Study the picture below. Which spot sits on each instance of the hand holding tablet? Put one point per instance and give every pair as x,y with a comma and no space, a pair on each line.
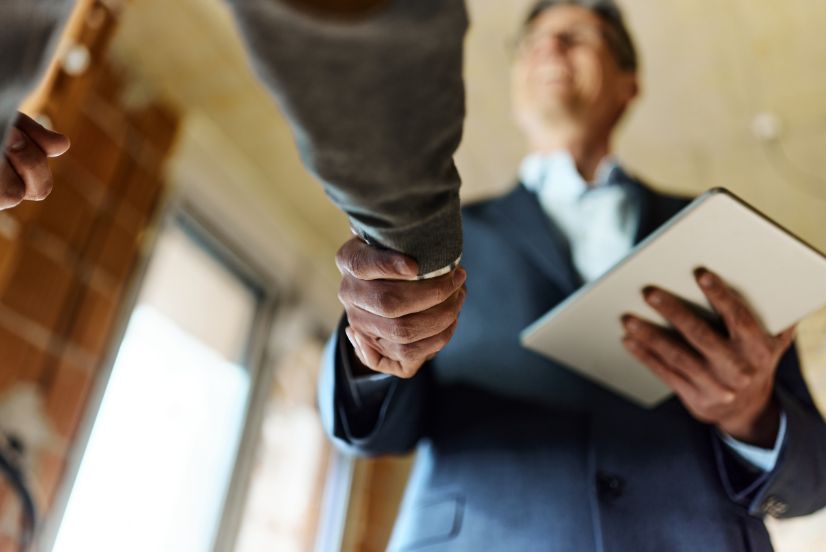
723,375
764,281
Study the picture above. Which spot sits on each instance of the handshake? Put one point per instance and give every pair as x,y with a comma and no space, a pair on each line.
396,323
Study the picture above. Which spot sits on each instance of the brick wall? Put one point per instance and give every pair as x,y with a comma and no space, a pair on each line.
66,263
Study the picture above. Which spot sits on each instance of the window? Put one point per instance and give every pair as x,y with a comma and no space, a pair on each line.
160,456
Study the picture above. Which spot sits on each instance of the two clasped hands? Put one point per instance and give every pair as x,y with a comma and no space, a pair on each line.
723,377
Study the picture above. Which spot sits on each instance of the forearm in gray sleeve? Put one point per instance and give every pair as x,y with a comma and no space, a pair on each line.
30,30
377,106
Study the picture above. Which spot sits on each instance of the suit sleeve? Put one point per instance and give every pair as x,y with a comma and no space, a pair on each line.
376,106
797,484
367,418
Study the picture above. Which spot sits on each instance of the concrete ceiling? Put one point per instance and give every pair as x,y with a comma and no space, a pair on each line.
188,52
709,71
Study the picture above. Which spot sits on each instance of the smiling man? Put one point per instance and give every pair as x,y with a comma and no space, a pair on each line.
516,452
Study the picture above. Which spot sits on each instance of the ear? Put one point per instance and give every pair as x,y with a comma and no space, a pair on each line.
632,86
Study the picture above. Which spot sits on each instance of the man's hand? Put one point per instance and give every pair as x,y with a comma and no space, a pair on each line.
396,322
24,168
725,379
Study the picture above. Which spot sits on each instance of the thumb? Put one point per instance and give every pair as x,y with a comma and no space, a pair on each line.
785,338
52,143
369,262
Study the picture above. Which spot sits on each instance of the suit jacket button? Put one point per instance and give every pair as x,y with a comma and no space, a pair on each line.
774,506
609,486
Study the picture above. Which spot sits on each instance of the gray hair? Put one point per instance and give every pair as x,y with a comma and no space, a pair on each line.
618,38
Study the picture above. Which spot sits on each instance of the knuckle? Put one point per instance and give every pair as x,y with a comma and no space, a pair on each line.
677,358
763,355
703,336
356,263
385,264
740,366
13,191
401,332
388,302
440,289
403,352
437,295
413,353
703,405
457,299
439,322
407,371
345,292
343,256
696,329
443,339
740,381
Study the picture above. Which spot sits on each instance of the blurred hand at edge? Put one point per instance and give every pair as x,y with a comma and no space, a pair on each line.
24,168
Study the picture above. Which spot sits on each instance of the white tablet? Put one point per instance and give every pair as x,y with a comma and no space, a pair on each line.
782,278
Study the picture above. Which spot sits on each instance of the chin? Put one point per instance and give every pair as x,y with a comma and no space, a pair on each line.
556,108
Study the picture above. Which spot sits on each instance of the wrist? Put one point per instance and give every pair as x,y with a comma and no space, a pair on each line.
758,429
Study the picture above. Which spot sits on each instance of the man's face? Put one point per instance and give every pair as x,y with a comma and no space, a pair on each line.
566,73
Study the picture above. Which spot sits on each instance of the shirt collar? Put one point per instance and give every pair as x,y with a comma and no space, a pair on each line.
559,170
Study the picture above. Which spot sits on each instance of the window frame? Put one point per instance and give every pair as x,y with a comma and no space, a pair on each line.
205,232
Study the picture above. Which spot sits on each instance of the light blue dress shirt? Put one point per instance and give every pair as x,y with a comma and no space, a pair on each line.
600,221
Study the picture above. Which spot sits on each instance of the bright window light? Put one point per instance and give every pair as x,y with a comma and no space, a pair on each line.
163,446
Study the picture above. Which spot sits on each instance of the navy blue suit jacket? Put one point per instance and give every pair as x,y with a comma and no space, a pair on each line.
517,453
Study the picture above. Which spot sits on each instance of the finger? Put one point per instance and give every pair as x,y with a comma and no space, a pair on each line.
393,298
421,350
784,339
675,381
348,331
31,165
377,362
699,334
364,351
412,327
736,315
12,188
50,143
368,262
678,358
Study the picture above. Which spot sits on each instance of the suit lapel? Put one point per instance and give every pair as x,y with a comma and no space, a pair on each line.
529,228
655,208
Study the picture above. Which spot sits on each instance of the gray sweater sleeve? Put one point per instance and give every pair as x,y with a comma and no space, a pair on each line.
30,30
377,106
